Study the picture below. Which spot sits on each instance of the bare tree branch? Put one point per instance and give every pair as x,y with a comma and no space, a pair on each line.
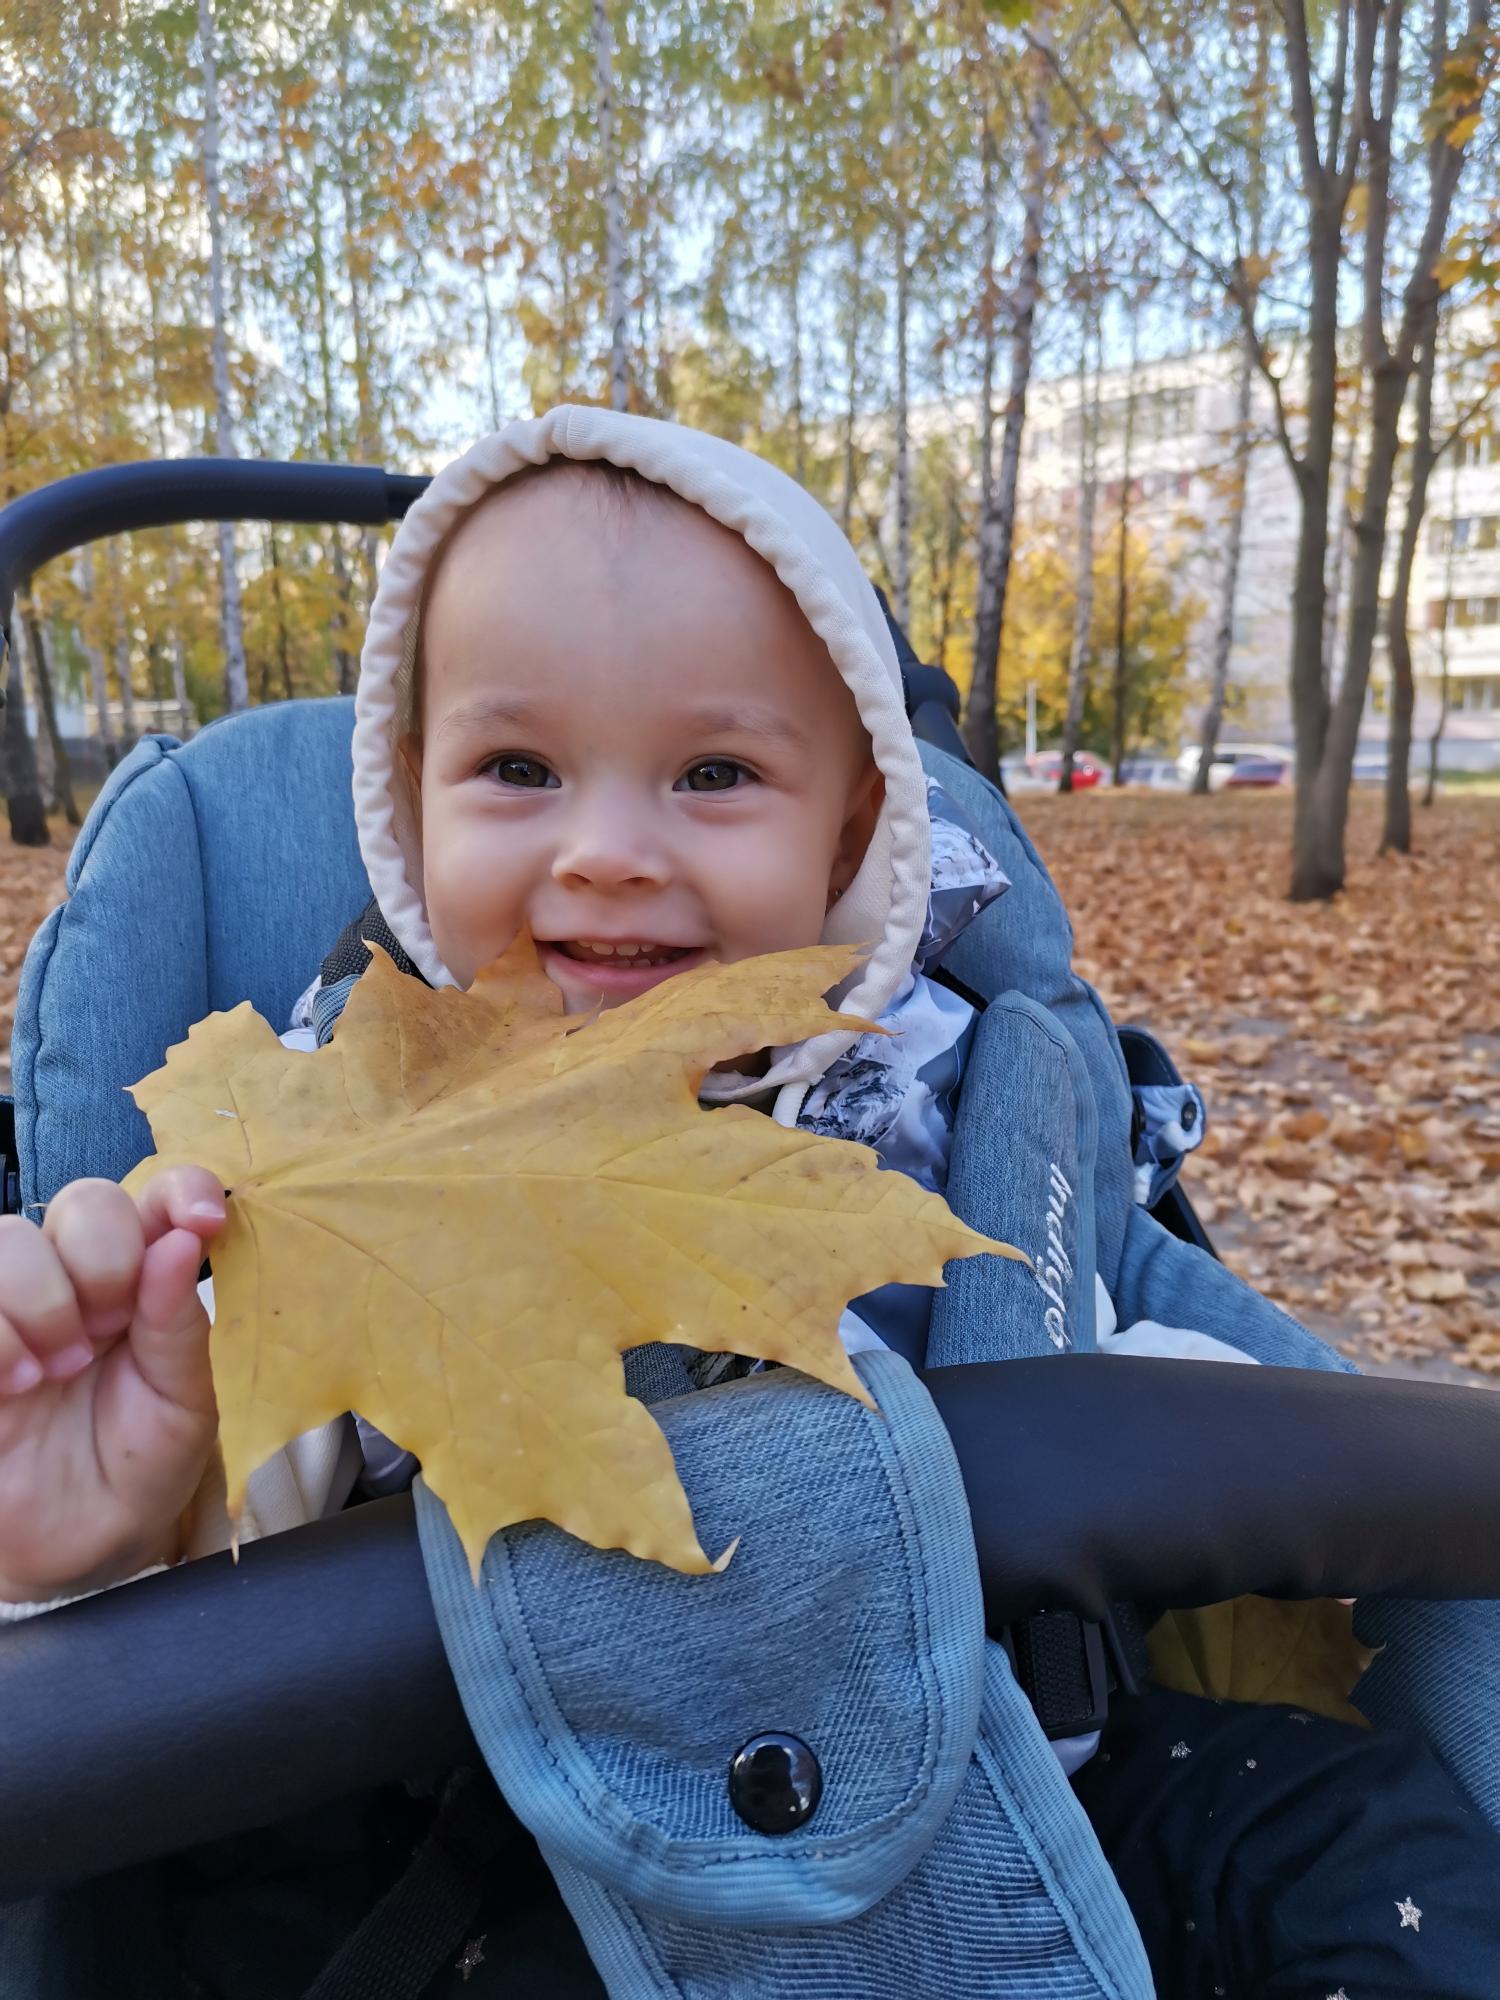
1304,111
1234,280
1174,111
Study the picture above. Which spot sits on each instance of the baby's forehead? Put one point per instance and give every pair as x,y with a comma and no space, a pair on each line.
570,584
573,552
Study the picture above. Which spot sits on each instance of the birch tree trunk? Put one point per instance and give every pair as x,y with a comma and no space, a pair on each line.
1395,835
851,382
1229,583
175,645
364,393
1445,685
106,372
799,415
236,684
989,311
981,722
83,573
129,733
614,226
29,618
83,565
1083,573
1340,537
903,317
343,657
18,766
18,774
1122,585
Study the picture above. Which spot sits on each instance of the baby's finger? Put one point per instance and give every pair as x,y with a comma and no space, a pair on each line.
182,1198
39,1302
19,1368
95,1229
169,1336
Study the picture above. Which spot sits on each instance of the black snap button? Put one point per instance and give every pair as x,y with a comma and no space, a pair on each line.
775,1783
1189,1116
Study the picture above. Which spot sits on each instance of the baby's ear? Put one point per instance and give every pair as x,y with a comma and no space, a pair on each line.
866,797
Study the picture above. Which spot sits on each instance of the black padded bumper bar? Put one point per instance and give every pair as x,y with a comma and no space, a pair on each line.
119,499
218,1697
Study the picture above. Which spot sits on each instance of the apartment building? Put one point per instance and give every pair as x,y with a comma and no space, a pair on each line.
1173,420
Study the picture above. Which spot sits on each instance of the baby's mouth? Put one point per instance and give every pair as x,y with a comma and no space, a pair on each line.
631,954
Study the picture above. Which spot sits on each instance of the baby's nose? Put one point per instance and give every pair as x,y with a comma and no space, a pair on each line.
611,842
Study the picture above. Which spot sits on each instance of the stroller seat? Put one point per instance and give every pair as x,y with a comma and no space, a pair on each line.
221,870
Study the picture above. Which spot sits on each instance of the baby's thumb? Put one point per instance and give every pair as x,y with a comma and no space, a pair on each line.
169,1334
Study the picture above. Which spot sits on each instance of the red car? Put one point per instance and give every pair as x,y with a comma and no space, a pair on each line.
1046,768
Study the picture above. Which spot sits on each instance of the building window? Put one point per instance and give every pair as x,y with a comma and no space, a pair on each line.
1466,611
1477,696
1479,450
1466,534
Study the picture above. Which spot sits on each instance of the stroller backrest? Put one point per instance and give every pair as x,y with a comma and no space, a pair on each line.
207,873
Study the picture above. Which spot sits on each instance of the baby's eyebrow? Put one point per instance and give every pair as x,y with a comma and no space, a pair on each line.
492,711
712,718
747,719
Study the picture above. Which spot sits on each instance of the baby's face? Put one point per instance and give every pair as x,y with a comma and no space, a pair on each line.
633,744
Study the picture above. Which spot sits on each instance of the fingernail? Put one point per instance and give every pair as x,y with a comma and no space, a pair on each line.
21,1375
206,1211
70,1361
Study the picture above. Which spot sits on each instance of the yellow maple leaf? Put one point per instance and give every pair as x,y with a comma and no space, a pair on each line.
1264,1649
457,1215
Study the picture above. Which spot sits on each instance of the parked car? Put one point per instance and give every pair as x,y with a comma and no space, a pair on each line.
1238,765
1160,774
1046,768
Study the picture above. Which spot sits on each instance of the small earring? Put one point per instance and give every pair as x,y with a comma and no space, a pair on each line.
834,897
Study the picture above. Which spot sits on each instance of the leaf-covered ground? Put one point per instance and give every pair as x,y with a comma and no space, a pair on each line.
31,881
1350,1055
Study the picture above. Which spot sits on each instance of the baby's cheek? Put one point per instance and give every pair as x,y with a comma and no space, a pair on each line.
473,909
776,900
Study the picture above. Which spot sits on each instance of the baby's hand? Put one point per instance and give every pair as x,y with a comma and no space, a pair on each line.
107,1412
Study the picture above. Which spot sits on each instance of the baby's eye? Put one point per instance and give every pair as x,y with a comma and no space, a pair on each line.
528,774
714,774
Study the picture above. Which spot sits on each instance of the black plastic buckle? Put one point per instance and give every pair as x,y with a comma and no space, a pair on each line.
10,1160
1068,1667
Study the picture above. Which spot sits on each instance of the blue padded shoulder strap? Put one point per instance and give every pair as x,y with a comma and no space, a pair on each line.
207,873
1024,943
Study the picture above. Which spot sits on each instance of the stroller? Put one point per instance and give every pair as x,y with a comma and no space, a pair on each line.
191,1744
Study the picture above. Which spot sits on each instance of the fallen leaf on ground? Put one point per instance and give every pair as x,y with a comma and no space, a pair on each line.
458,1214
1263,1649
1385,999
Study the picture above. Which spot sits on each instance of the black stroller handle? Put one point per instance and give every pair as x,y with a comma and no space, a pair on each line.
155,493
216,1698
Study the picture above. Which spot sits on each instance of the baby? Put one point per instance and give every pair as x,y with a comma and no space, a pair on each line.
591,706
